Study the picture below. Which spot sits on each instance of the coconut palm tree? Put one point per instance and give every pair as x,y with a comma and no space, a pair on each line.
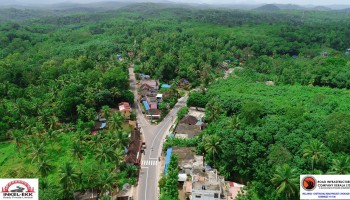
118,157
115,93
108,182
341,165
119,139
44,168
212,145
81,109
286,179
69,178
17,136
53,122
131,170
38,151
39,128
104,153
315,150
234,122
78,152
106,111
116,121
95,141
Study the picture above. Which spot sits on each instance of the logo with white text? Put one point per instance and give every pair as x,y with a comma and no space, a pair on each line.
19,189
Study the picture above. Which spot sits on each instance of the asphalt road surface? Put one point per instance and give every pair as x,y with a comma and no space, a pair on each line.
154,136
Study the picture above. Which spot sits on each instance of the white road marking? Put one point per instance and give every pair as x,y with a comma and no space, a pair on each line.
175,110
150,162
160,130
146,182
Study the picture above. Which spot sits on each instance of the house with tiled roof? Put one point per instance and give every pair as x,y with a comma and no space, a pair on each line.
189,127
190,120
153,84
133,155
125,109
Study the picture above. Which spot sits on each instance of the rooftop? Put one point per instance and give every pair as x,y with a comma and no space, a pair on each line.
190,120
196,113
187,131
183,80
210,181
150,83
134,150
124,106
146,105
234,189
187,157
185,154
145,76
153,105
166,86
99,125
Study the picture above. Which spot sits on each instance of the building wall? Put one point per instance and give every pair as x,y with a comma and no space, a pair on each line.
205,195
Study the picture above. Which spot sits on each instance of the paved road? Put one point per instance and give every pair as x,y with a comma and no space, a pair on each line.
154,136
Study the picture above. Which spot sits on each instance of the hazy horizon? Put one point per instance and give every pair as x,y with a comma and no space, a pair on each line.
298,2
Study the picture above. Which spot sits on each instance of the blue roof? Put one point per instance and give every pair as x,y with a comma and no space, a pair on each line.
146,105
347,53
103,125
185,80
165,86
171,135
167,159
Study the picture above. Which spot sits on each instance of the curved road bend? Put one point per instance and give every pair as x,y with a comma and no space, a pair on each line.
154,136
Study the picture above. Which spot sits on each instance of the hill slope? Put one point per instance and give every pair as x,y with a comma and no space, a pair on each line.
268,7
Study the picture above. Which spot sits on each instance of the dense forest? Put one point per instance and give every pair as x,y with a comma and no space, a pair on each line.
59,68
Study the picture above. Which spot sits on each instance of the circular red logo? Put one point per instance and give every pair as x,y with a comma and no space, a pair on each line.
309,183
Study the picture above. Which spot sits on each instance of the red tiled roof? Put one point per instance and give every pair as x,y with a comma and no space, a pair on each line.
150,83
134,149
94,132
124,106
153,105
155,112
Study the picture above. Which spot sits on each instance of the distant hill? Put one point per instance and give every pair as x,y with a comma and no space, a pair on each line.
268,7
107,5
338,7
321,8
344,10
235,6
289,7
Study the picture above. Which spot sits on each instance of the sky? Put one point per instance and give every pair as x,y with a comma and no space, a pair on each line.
300,2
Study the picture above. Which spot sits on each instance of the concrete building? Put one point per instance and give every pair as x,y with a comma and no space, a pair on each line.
207,185
187,159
